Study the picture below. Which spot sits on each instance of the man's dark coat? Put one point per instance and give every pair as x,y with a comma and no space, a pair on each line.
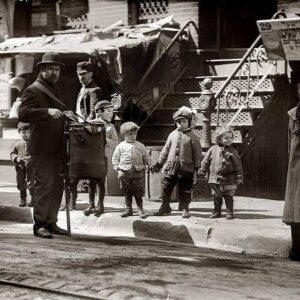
91,95
46,134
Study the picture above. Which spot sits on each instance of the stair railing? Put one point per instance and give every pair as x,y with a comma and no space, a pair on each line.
247,56
158,59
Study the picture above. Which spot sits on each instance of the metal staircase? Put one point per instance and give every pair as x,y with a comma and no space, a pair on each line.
187,91
243,88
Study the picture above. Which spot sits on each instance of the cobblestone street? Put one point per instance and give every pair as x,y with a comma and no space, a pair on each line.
139,269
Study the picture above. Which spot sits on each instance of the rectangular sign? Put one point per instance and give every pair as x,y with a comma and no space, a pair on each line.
281,38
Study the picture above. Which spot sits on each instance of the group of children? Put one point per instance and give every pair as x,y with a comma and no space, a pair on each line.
180,160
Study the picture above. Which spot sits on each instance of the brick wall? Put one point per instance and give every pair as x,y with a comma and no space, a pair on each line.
184,11
103,13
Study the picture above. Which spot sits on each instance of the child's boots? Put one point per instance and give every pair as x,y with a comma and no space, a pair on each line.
229,207
185,199
164,208
141,212
217,208
99,210
31,203
90,208
72,204
185,213
22,202
139,203
128,203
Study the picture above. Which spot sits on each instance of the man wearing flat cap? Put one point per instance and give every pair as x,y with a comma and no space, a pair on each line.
90,92
45,144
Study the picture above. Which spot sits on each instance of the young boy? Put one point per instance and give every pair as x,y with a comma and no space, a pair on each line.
181,157
129,160
21,159
225,171
104,113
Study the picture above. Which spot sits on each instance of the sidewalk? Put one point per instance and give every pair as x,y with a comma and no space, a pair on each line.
256,229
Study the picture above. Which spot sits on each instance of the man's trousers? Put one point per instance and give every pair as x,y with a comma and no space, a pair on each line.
48,188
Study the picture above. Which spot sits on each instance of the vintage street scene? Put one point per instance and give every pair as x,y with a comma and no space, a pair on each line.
149,149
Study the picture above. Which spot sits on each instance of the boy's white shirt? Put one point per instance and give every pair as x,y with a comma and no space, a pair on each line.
128,154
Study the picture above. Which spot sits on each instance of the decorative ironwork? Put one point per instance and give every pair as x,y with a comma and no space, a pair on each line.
152,10
233,97
75,23
257,60
174,63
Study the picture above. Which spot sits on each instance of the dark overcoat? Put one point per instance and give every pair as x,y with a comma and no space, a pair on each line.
291,212
190,152
46,134
90,95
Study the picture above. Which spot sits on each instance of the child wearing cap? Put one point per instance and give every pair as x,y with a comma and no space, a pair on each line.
224,165
104,113
21,159
129,160
180,157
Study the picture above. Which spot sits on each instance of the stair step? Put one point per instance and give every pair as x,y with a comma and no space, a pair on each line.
190,99
194,84
157,134
225,67
165,116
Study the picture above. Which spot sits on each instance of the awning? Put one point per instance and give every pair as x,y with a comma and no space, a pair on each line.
126,52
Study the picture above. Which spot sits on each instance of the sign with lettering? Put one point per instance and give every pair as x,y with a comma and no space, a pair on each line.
281,38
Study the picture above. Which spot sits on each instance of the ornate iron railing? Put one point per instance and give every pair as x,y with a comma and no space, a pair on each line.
184,32
256,57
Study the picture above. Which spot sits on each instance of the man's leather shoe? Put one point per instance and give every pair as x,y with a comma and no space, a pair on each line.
54,229
42,233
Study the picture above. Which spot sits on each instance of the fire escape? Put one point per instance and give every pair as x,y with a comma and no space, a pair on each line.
243,89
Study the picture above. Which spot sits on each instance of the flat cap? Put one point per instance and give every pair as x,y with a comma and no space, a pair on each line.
103,104
84,66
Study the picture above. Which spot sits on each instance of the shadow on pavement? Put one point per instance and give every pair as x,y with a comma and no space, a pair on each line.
163,231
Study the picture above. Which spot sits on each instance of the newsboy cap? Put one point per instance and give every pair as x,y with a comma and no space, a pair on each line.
51,58
103,104
84,66
182,114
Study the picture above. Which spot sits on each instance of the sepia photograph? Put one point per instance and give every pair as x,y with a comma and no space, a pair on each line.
149,149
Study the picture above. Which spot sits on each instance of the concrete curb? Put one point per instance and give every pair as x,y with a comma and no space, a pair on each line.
257,228
218,235
16,214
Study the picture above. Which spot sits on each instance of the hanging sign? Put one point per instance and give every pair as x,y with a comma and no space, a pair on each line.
281,38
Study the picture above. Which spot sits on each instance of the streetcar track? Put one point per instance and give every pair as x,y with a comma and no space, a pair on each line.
49,290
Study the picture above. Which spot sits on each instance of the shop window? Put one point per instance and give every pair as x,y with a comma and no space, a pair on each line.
39,20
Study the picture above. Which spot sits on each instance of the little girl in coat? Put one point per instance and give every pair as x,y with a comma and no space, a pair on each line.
223,163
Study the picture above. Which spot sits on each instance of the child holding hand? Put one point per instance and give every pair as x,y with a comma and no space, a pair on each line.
129,160
224,165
